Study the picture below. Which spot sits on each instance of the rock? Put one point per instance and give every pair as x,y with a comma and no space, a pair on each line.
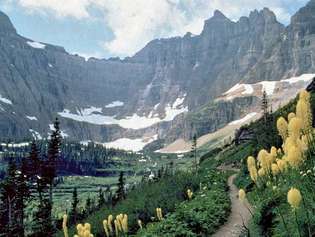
44,81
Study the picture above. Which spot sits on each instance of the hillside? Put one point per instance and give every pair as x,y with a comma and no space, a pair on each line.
136,100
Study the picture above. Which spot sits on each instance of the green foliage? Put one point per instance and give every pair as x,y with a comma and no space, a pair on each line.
141,201
200,216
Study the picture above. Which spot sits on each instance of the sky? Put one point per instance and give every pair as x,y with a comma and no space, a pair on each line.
111,28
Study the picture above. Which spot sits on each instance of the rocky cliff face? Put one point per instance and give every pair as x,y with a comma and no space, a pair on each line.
149,93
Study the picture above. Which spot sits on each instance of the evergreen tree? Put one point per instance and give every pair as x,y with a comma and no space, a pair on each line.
101,198
13,194
75,202
120,193
264,106
88,205
193,152
53,156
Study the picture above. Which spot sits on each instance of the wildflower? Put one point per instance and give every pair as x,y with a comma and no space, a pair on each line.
251,162
64,226
282,127
294,156
253,173
84,230
109,223
159,214
273,154
294,128
263,157
282,165
275,169
140,224
261,172
106,229
303,110
189,194
291,116
294,198
241,195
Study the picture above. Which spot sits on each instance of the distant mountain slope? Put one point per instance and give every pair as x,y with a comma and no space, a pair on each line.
147,95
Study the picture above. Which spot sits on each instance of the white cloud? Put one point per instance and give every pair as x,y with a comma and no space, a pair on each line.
61,8
134,23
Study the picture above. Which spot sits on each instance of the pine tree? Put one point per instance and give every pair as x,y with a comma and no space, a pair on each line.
120,193
193,152
264,106
88,205
53,156
75,202
13,194
101,198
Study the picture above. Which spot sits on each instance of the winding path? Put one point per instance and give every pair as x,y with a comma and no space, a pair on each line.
240,214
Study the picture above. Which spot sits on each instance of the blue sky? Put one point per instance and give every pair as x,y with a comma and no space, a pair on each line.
109,28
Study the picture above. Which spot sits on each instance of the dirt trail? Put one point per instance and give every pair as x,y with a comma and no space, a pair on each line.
240,214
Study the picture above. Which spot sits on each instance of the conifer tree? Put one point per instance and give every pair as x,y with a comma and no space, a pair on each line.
75,202
264,106
193,152
120,193
52,157
101,198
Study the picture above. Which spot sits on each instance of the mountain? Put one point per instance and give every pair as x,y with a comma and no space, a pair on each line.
155,93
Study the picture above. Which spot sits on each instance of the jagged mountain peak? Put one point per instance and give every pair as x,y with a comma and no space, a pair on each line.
6,26
218,15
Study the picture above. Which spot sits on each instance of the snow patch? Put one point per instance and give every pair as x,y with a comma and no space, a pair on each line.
31,118
248,89
234,88
244,119
304,78
196,66
130,144
6,101
113,104
62,133
36,45
268,86
133,122
36,135
50,65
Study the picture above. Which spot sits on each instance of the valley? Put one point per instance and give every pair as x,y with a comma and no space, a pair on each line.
192,136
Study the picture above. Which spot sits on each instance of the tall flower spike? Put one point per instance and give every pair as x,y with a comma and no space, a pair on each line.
253,173
303,110
294,198
64,225
263,157
282,165
295,127
241,195
105,225
140,224
275,169
251,162
282,127
110,223
291,116
261,172
294,156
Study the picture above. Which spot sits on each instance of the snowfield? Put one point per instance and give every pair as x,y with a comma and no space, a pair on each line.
6,101
116,103
134,121
36,45
244,119
268,86
130,144
36,135
31,118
